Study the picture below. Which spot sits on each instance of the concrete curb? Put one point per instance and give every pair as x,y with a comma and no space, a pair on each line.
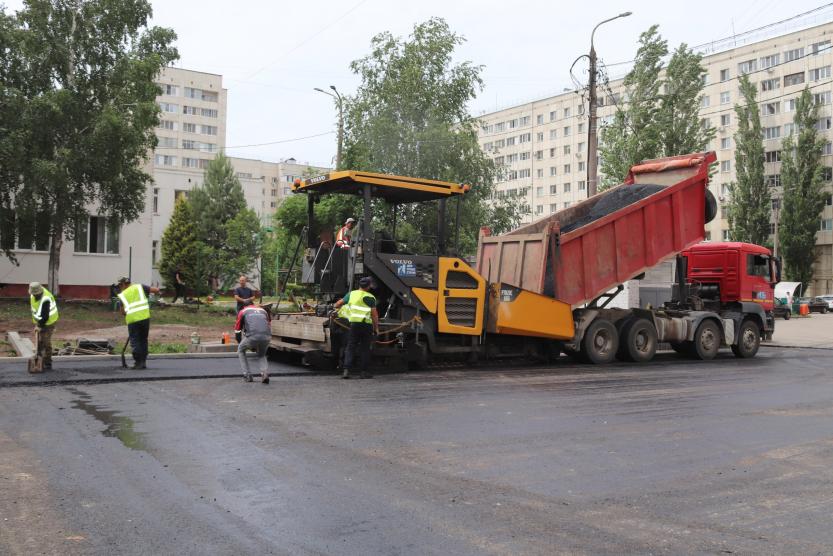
791,346
117,357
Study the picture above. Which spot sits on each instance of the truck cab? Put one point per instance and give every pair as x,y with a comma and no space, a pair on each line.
726,274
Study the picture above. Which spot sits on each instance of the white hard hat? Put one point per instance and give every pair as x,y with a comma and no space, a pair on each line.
350,220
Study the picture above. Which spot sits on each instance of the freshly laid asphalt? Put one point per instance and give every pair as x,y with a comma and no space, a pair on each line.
673,457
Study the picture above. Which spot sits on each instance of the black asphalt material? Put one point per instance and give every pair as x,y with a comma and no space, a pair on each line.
613,201
672,457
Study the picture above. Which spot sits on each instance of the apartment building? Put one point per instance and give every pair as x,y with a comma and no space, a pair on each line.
191,131
543,144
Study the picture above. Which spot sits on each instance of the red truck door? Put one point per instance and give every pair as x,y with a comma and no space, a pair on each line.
756,280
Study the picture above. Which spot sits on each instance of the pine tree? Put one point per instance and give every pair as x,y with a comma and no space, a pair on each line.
180,248
217,204
749,206
804,197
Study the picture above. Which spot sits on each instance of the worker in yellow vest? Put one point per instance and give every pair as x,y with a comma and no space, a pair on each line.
136,309
364,323
44,315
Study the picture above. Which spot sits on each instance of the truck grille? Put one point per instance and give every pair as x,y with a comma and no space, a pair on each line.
461,311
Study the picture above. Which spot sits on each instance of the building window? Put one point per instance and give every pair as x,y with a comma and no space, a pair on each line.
552,153
794,79
827,148
164,160
823,124
553,115
580,128
199,94
819,73
539,119
168,107
773,132
771,108
539,209
581,167
772,180
725,119
770,84
525,155
539,155
166,142
208,112
819,47
167,124
553,134
794,54
566,149
827,173
566,112
524,138
170,90
725,97
525,121
826,225
539,173
285,191
772,156
770,61
582,185
539,191
552,170
539,136
566,130
525,173
788,129
97,234
748,66
553,207
726,166
567,187
189,128
567,169
724,75
567,204
704,101
155,200
726,143
822,98
553,189
725,235
510,141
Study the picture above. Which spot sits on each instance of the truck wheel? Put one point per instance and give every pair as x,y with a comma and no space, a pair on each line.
638,341
749,340
706,340
711,206
600,342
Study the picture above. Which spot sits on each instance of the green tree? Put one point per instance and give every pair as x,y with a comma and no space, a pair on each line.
804,196
749,204
661,116
409,117
222,222
180,248
79,78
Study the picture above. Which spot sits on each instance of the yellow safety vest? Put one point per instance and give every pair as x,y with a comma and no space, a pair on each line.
359,311
344,312
37,304
135,303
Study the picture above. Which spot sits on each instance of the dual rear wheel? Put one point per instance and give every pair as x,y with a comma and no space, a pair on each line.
635,340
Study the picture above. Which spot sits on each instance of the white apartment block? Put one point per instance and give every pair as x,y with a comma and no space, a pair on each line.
543,144
192,130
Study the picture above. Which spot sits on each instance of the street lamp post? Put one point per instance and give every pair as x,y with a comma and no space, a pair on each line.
340,104
592,135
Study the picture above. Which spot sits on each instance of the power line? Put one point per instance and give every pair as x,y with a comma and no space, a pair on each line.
306,40
281,141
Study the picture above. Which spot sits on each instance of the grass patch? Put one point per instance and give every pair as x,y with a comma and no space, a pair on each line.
159,347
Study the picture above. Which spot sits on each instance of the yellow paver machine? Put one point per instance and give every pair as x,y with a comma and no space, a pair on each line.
431,304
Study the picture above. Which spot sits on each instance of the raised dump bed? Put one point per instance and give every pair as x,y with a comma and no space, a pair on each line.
579,253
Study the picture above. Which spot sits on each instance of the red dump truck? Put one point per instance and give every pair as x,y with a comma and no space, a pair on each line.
582,255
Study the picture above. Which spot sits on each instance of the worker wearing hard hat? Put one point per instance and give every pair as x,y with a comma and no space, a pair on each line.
343,235
44,315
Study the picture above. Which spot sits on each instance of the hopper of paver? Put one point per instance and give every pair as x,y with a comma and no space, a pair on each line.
581,252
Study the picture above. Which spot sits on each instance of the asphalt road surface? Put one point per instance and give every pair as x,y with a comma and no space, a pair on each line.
674,457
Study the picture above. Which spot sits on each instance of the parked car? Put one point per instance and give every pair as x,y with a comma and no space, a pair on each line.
816,304
781,310
829,300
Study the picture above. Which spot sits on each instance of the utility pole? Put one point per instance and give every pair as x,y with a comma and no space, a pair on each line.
592,135
340,105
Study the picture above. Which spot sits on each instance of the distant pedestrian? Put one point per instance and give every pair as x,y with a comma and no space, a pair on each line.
44,315
364,323
243,294
253,331
136,308
179,286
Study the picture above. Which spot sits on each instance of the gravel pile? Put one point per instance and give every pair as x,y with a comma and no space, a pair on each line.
612,202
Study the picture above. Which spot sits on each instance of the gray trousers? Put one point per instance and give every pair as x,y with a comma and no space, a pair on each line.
259,346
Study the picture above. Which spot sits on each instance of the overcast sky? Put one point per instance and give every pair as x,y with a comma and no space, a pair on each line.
272,53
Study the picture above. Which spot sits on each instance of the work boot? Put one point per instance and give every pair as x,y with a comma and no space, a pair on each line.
346,374
264,377
247,377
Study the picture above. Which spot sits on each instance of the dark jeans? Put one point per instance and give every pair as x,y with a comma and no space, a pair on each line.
179,291
358,347
338,340
138,333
